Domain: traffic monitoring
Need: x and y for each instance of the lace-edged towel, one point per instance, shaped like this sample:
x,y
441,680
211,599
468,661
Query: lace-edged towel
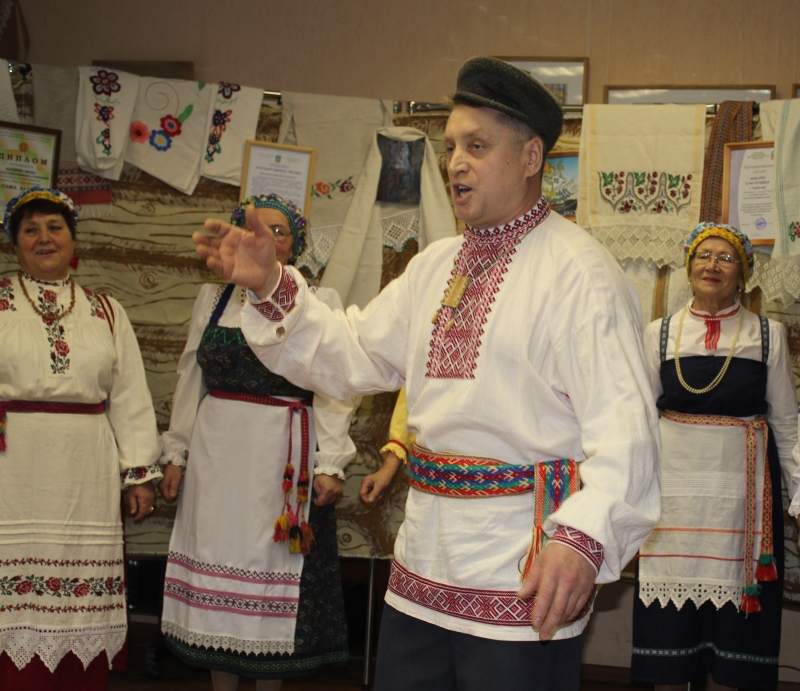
x,y
640,178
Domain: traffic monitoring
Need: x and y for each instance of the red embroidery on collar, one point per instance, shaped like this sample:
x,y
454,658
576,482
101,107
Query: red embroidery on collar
x,y
713,325
454,351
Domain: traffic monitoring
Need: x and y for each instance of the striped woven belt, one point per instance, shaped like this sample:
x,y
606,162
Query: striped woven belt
x,y
44,407
471,477
766,569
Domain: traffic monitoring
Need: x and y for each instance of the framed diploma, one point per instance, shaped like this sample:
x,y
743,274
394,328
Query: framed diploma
x,y
747,190
287,171
28,157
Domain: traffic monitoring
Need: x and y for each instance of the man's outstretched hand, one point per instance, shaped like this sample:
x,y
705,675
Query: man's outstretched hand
x,y
244,256
563,582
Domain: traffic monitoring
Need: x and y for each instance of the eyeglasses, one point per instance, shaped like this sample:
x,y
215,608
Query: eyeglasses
x,y
281,232
723,259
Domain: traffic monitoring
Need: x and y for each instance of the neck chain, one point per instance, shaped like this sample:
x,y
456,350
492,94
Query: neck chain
x,y
458,284
50,316
724,369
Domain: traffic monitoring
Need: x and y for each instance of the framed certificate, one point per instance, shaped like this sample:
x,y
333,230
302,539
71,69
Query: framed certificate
x,y
747,190
287,171
28,157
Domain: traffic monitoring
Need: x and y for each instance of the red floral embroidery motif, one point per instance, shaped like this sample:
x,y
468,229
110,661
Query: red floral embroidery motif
x,y
7,295
56,335
95,304
484,256
140,473
24,588
82,590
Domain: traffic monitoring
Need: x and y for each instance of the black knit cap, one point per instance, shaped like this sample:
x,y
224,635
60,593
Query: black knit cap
x,y
492,83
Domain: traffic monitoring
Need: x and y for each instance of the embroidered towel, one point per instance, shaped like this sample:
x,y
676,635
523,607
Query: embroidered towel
x,y
341,129
233,118
354,269
168,131
780,122
55,99
733,123
106,99
640,177
8,104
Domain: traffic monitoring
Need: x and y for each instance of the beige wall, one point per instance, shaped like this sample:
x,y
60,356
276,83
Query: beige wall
x,y
411,49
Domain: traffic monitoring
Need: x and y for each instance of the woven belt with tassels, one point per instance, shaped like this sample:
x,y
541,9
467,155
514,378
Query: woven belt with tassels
x,y
765,570
474,477
291,525
44,407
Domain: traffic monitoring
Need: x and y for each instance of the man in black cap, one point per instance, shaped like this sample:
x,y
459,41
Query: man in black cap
x,y
519,344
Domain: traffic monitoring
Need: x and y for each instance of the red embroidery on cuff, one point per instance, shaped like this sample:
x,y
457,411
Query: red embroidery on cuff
x,y
281,302
581,543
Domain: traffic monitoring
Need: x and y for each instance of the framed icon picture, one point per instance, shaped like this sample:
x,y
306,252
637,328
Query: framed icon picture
x,y
560,182
566,78
619,95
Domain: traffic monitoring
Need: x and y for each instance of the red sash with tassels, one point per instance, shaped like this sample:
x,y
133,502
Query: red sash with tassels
x,y
765,570
291,525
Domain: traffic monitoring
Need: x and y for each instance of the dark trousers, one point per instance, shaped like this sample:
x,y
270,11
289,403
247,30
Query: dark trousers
x,y
416,656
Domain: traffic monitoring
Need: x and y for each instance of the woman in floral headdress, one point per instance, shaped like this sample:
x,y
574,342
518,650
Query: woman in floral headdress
x,y
252,586
710,575
75,413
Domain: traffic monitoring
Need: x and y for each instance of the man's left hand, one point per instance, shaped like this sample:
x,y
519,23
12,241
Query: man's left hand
x,y
327,489
562,581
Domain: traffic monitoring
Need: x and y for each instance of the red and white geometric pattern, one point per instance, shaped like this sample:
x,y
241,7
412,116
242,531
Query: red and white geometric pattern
x,y
484,257
500,607
281,302
581,543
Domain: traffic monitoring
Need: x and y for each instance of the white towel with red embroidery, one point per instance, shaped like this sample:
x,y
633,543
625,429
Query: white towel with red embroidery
x,y
168,131
106,99
232,120
640,175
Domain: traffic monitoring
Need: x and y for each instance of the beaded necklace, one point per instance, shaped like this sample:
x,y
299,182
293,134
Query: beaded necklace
x,y
724,369
49,316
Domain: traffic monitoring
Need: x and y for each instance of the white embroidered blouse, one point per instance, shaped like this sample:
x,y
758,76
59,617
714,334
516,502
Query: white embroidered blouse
x,y
543,361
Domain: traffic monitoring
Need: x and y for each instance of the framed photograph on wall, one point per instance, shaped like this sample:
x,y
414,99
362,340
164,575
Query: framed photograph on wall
x,y
567,78
28,157
287,171
747,190
560,182
687,94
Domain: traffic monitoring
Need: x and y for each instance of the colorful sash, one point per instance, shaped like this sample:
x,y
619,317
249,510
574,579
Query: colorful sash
x,y
44,407
476,477
291,525
766,570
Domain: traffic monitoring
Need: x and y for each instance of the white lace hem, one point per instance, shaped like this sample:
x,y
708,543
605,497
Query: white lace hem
x,y
660,246
778,277
229,643
698,593
21,643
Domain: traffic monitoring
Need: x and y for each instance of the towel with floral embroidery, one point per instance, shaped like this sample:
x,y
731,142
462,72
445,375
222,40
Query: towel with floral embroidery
x,y
640,178
780,122
106,99
168,132
233,119
341,129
